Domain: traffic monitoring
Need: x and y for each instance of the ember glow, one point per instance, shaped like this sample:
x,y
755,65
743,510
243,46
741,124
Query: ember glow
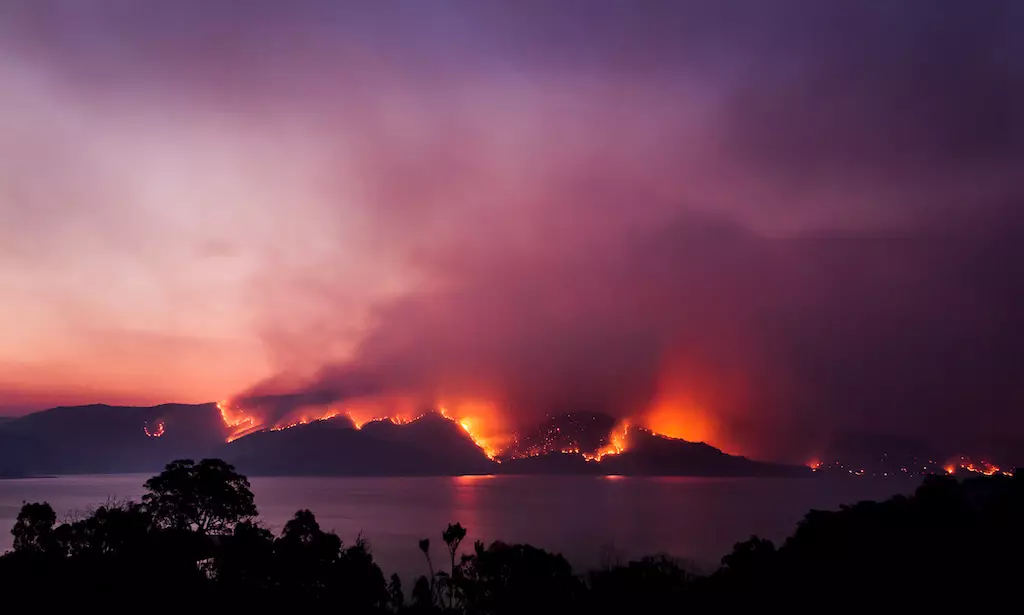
x,y
966,464
237,421
679,418
241,422
617,442
482,423
156,432
396,420
478,420
305,419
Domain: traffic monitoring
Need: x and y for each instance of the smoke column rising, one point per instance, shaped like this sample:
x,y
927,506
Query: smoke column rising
x,y
762,225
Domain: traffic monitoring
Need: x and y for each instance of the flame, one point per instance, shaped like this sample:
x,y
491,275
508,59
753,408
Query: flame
x,y
480,420
397,410
691,402
305,419
238,422
616,443
396,420
814,464
981,467
488,444
157,432
679,419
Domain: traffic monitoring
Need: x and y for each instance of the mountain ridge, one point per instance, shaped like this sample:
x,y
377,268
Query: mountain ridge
x,y
100,438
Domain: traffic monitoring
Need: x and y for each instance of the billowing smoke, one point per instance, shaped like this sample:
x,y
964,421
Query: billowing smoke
x,y
820,238
756,223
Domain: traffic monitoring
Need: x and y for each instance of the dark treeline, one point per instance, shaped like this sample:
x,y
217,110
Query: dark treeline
x,y
193,542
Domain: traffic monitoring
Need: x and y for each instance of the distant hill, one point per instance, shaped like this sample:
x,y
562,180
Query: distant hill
x,y
439,439
648,454
111,439
430,446
100,439
652,455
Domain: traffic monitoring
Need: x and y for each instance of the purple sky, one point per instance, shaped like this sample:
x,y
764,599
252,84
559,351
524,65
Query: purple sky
x,y
789,218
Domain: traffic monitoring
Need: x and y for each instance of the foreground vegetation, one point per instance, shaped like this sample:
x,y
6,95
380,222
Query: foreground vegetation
x,y
193,542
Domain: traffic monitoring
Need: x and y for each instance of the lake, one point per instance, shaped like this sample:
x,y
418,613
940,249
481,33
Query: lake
x,y
588,519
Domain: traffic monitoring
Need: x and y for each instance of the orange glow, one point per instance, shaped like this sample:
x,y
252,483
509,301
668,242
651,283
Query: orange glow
x,y
680,420
398,410
304,419
238,422
981,467
691,403
814,464
474,426
156,432
397,420
480,420
472,478
617,443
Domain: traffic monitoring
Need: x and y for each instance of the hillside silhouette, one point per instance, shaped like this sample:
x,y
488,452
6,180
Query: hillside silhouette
x,y
109,439
335,448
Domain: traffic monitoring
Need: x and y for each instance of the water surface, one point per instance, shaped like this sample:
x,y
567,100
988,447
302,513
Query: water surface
x,y
588,519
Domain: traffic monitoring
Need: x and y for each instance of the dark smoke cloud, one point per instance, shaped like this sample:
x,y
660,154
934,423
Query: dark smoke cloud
x,y
891,302
808,212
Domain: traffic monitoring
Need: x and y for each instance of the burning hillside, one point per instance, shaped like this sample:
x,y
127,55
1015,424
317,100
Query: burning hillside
x,y
470,418
964,464
384,437
573,442
589,435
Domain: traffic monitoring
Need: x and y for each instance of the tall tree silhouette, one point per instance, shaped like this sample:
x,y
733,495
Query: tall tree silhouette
x,y
33,531
425,548
208,497
453,536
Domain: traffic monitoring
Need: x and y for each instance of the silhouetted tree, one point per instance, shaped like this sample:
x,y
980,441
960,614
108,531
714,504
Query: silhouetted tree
x,y
422,595
33,530
452,536
208,497
305,556
120,529
245,562
510,579
425,549
952,539
359,580
313,565
651,585
396,599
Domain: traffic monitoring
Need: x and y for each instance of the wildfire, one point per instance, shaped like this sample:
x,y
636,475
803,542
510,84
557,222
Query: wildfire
x,y
397,420
981,467
157,431
467,424
305,420
238,422
479,421
616,443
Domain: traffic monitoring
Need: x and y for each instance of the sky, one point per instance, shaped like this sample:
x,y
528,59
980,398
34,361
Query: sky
x,y
781,220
